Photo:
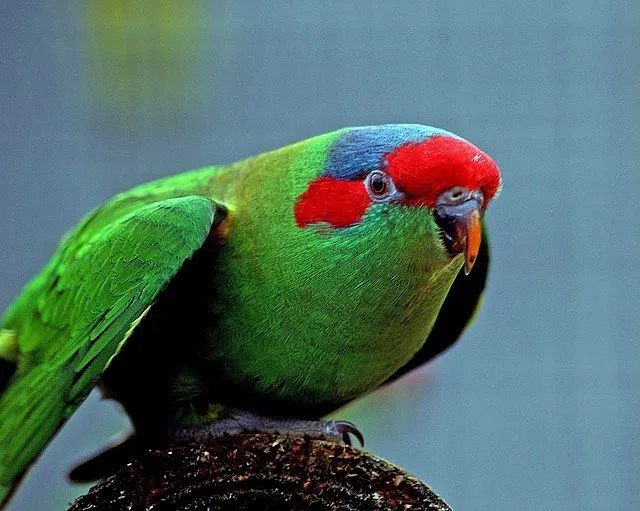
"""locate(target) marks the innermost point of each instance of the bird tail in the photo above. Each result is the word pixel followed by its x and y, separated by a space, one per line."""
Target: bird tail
pixel 31 411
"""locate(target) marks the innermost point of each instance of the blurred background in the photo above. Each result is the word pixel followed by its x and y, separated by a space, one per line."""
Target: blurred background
pixel 538 405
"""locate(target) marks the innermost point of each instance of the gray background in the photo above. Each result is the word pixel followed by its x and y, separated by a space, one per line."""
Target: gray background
pixel 538 405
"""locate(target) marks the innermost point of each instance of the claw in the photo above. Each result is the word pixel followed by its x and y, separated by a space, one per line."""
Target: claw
pixel 347 428
pixel 239 421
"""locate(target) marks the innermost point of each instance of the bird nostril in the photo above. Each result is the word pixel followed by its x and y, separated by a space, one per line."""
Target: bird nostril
pixel 453 196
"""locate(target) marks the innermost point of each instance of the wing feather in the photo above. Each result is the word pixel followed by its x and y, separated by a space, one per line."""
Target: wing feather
pixel 84 305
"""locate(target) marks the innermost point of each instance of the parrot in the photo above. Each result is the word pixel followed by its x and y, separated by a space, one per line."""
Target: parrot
pixel 255 296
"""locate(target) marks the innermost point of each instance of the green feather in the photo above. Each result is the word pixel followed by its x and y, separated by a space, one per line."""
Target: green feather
pixel 87 302
pixel 8 345
pixel 204 313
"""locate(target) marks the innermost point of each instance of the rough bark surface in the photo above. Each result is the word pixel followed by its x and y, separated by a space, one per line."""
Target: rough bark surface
pixel 259 472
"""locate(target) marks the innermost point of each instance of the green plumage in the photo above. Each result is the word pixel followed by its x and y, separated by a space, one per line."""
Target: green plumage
pixel 199 291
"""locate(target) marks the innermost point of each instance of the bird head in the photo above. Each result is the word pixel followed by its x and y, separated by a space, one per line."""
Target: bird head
pixel 380 171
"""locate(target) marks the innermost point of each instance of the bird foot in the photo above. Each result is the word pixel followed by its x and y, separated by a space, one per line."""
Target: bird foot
pixel 241 421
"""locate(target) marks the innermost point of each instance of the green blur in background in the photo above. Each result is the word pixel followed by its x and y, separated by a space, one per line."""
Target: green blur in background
pixel 537 404
pixel 141 69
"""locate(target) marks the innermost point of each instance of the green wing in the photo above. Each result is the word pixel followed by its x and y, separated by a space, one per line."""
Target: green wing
pixel 71 320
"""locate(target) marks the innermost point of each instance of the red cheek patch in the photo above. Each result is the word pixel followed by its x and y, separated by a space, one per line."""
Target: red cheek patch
pixel 333 201
pixel 425 170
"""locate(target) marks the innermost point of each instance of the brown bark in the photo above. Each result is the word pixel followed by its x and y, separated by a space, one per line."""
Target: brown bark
pixel 259 472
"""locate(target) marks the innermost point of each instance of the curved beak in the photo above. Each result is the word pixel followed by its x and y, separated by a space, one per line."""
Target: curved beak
pixel 461 225
pixel 473 229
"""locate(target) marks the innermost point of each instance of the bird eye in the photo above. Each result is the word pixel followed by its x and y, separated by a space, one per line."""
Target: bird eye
pixel 378 185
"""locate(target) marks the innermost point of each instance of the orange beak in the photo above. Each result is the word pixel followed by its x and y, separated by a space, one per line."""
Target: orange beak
pixel 473 240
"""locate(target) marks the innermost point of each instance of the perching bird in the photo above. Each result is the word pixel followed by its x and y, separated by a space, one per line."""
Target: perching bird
pixel 255 296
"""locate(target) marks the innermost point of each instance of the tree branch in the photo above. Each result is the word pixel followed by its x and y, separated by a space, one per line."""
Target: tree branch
pixel 259 471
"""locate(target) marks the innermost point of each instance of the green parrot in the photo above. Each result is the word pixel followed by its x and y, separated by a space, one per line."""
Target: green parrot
pixel 259 295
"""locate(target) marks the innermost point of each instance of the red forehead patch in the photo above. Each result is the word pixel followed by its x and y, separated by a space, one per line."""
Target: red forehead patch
pixel 425 170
